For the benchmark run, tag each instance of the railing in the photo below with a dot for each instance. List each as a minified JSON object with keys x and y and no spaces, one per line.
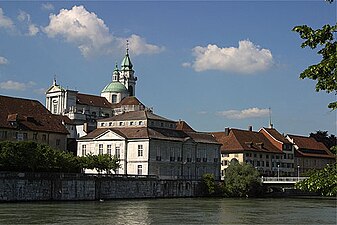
{"x":282,"y":179}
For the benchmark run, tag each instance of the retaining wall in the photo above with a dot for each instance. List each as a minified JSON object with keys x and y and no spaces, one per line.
{"x":72,"y":187}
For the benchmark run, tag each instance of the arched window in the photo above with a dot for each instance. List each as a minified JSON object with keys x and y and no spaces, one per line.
{"x":114,"y":98}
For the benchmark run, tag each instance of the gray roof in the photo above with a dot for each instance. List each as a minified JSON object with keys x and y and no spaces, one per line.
{"x":136,"y":115}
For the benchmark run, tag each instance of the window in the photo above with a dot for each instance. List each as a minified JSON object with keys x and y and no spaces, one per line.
{"x":267,"y":156}
{"x":25,"y":136}
{"x":267,"y":164}
{"x":58,"y":141}
{"x":44,"y":137}
{"x":55,"y":108}
{"x":84,"y":150}
{"x":108,"y":149}
{"x":158,"y":156}
{"x":117,"y":151}
{"x":260,"y":156}
{"x":121,"y":123}
{"x":3,"y":134}
{"x":172,"y":158}
{"x":131,"y":123}
{"x":100,"y":149}
{"x":140,"y":150}
{"x":114,"y":98}
{"x":139,"y":169}
{"x":254,"y":154}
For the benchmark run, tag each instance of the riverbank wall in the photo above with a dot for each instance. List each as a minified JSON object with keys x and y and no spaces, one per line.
{"x":73,"y":187}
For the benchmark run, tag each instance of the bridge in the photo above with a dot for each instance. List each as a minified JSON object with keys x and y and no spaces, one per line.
{"x":281,"y":180}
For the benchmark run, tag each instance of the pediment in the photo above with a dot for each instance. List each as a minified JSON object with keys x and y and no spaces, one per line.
{"x":110,"y":135}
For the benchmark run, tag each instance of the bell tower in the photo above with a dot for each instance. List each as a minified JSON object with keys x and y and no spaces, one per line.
{"x":126,"y":73}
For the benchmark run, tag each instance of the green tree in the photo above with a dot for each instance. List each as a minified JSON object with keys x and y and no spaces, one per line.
{"x":100,"y":162}
{"x":325,"y":71}
{"x":322,"y":181}
{"x":241,"y":180}
{"x":208,"y":184}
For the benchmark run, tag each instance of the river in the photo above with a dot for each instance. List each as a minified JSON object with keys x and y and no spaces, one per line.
{"x":173,"y":211}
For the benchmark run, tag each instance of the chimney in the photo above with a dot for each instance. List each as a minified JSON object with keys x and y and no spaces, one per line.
{"x":250,"y":128}
{"x":227,"y":131}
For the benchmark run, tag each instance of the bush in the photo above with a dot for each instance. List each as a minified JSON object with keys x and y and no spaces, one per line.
{"x":241,"y":180}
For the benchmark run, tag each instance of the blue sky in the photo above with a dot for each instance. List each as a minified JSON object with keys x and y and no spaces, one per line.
{"x":213,"y":64}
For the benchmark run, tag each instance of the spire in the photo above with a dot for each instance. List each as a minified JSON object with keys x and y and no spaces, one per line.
{"x":126,"y":63}
{"x":270,"y":123}
{"x":54,"y":81}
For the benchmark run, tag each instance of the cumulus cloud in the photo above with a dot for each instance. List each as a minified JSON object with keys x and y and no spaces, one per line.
{"x":244,"y":114}
{"x":5,"y":22}
{"x":17,"y":86}
{"x":3,"y":60}
{"x":247,"y":58}
{"x":138,"y":45}
{"x":91,"y":35}
{"x":25,"y":19}
{"x":47,"y":6}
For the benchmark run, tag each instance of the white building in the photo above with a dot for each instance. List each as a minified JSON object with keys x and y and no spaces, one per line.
{"x":148,"y":144}
{"x":83,"y":109}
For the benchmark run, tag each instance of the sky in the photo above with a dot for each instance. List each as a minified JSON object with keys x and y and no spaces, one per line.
{"x":214,"y":64}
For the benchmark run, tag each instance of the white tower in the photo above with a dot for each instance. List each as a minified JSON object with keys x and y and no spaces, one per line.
{"x":126,"y":76}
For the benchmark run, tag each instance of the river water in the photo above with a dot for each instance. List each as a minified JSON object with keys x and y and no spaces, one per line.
{"x":173,"y":211}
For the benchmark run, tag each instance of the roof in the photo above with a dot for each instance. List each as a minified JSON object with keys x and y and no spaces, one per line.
{"x":92,"y":100}
{"x":182,"y":125}
{"x":154,"y":133}
{"x":126,"y":62}
{"x":244,"y":140}
{"x":28,"y":114}
{"x":275,"y":134}
{"x":135,"y":115}
{"x":115,"y":86}
{"x":309,"y":147}
{"x":130,"y":100}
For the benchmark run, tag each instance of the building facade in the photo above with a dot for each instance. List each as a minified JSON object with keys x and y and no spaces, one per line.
{"x":310,"y":154}
{"x":148,"y":144}
{"x":248,"y":146}
{"x":28,"y":120}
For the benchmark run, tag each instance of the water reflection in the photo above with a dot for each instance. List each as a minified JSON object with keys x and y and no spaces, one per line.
{"x":173,"y":211}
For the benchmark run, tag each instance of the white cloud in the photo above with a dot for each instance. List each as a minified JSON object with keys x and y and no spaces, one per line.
{"x":5,"y":22}
{"x":17,"y":86}
{"x":246,"y":59}
{"x":244,"y":114}
{"x":91,"y":35}
{"x":3,"y":60}
{"x":47,"y":6}
{"x":138,"y":45}
{"x":40,"y":91}
{"x":32,"y":30}
{"x":25,"y":19}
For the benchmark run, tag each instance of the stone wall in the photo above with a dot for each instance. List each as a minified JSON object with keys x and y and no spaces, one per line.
{"x":73,"y":187}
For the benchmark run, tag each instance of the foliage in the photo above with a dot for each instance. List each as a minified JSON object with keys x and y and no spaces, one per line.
{"x":208,"y":184}
{"x":333,"y":149}
{"x":325,"y":71}
{"x":100,"y":162}
{"x":323,"y":181}
{"x":241,"y":180}
{"x":34,"y":157}
{"x":30,"y":156}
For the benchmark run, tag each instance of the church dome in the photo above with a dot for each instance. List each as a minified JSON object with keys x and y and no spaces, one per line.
{"x":116,"y":87}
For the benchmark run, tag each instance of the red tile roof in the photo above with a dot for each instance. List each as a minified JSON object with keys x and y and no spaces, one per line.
{"x":275,"y":134}
{"x":244,"y":140}
{"x":309,"y":147}
{"x":182,"y":125}
{"x":28,"y":115}
{"x":92,"y":100}
{"x":131,"y":100}
{"x":135,"y":115}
